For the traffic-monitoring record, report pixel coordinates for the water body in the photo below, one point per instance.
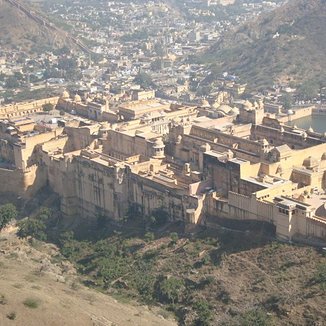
(318, 123)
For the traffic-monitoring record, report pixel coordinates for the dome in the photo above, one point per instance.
(77, 98)
(204, 103)
(146, 118)
(65, 94)
(159, 143)
(261, 103)
(104, 127)
(225, 108)
(247, 104)
(279, 169)
(234, 111)
(310, 162)
(264, 142)
(229, 154)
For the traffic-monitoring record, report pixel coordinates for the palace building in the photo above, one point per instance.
(246, 165)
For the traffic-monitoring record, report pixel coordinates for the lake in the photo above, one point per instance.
(318, 123)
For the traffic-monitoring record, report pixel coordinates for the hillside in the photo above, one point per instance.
(208, 277)
(39, 287)
(289, 42)
(19, 31)
(203, 276)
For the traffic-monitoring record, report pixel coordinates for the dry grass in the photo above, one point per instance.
(47, 301)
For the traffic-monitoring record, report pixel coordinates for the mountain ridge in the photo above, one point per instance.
(19, 31)
(288, 43)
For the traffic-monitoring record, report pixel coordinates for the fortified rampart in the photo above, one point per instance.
(25, 108)
(297, 113)
(23, 183)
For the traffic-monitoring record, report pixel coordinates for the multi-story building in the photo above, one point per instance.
(197, 169)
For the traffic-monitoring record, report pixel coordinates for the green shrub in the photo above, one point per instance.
(320, 276)
(35, 226)
(204, 313)
(8, 212)
(47, 107)
(149, 236)
(32, 227)
(31, 303)
(255, 317)
(171, 289)
(174, 237)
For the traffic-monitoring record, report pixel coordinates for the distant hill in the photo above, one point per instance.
(287, 43)
(19, 31)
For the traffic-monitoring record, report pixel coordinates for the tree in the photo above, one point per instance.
(18, 75)
(287, 101)
(47, 107)
(159, 50)
(171, 289)
(12, 82)
(63, 51)
(144, 80)
(35, 226)
(149, 236)
(255, 317)
(32, 227)
(156, 65)
(66, 236)
(308, 90)
(174, 237)
(8, 212)
(204, 313)
(67, 64)
(44, 213)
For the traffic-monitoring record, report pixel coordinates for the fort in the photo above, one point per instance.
(242, 164)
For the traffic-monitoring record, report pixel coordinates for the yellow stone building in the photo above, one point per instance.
(165, 156)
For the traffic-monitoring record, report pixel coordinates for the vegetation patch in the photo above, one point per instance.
(32, 303)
